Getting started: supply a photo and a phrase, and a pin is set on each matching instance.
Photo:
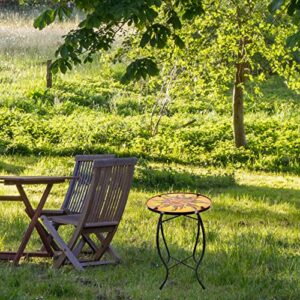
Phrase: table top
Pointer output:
(179, 203)
(13, 180)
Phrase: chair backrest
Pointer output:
(78, 187)
(109, 189)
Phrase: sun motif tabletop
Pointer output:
(179, 203)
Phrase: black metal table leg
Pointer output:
(165, 262)
(200, 224)
(176, 205)
(160, 229)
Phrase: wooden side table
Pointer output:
(33, 214)
(179, 204)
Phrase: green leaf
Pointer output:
(69, 66)
(145, 39)
(157, 3)
(294, 5)
(138, 69)
(92, 21)
(192, 11)
(88, 59)
(46, 18)
(151, 14)
(293, 40)
(60, 13)
(174, 21)
(152, 68)
(63, 67)
(153, 42)
(178, 41)
(63, 51)
(67, 11)
(275, 5)
(54, 67)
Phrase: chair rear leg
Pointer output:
(104, 244)
(111, 251)
(63, 246)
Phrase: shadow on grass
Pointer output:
(10, 168)
(170, 179)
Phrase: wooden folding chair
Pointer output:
(78, 188)
(100, 216)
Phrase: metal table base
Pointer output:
(167, 262)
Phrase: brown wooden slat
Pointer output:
(10, 198)
(101, 224)
(66, 219)
(13, 180)
(10, 255)
(97, 263)
(93, 157)
(53, 212)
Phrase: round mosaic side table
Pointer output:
(177, 205)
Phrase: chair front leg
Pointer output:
(67, 253)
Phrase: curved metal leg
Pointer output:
(197, 240)
(200, 224)
(166, 261)
(160, 228)
(164, 240)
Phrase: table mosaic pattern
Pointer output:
(179, 203)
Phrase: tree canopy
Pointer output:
(158, 20)
(215, 41)
(106, 20)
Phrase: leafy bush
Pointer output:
(273, 143)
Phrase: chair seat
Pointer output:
(74, 219)
(53, 212)
(66, 219)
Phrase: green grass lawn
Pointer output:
(252, 239)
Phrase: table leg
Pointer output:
(200, 225)
(160, 229)
(34, 222)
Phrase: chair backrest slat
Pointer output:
(109, 189)
(80, 190)
(79, 186)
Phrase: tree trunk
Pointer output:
(49, 74)
(238, 99)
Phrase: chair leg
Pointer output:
(111, 251)
(104, 244)
(79, 247)
(63, 246)
(51, 241)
